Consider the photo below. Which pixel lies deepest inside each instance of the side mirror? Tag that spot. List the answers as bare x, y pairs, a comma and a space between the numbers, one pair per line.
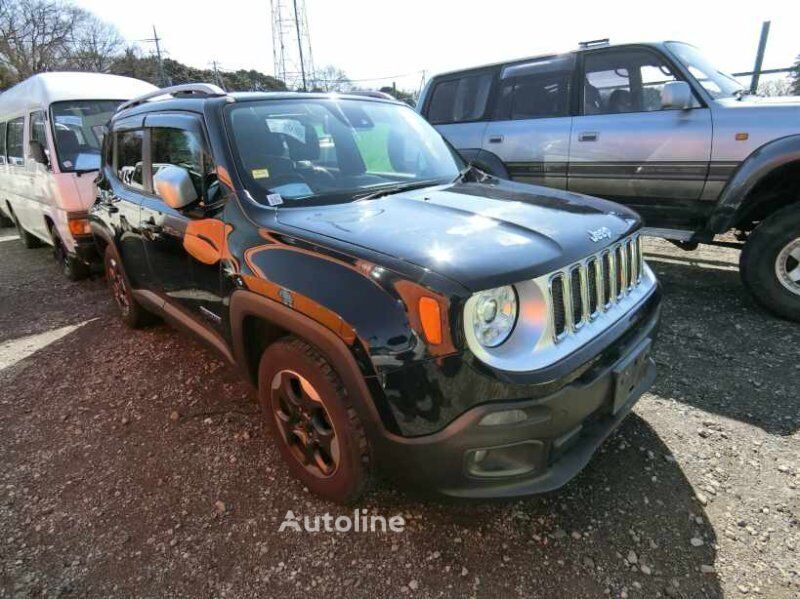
36, 151
676, 94
175, 186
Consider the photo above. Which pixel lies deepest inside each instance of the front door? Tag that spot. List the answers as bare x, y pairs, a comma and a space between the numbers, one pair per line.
530, 132
626, 148
184, 246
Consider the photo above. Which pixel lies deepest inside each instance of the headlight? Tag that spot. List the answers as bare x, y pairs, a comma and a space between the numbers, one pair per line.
493, 315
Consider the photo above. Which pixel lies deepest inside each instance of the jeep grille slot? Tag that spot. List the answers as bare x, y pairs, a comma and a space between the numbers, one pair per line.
582, 291
559, 309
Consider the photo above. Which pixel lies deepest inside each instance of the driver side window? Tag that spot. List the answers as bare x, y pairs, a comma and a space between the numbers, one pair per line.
181, 148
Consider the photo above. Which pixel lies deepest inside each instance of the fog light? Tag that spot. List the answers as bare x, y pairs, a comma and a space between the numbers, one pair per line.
509, 460
504, 417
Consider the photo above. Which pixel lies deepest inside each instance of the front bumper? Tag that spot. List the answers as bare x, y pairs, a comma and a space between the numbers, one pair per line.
553, 444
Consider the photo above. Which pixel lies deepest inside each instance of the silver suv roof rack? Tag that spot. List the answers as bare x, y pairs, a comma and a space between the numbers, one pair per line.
187, 89
594, 43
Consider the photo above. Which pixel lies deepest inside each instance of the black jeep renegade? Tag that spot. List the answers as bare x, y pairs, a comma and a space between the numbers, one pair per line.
396, 308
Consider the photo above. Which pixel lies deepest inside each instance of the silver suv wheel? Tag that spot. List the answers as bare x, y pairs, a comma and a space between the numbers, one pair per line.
787, 266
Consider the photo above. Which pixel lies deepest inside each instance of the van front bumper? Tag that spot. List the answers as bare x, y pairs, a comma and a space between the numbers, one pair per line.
529, 446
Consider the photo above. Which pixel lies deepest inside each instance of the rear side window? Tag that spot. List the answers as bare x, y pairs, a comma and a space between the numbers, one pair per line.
128, 162
2, 143
181, 148
538, 89
460, 100
14, 151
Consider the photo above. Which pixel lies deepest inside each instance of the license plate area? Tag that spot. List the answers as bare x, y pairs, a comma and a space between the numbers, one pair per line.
628, 373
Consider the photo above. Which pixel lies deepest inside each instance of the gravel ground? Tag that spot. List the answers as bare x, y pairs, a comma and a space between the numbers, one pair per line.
133, 463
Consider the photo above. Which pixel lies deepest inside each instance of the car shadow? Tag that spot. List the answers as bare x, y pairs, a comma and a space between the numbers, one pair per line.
629, 521
720, 352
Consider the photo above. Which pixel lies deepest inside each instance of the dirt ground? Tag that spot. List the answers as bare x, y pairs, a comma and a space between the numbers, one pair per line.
133, 463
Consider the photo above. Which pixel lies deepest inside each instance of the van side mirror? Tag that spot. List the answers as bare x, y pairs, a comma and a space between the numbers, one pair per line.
36, 151
676, 94
174, 185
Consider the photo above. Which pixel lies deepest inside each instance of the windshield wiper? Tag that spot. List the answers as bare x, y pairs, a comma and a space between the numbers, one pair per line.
392, 189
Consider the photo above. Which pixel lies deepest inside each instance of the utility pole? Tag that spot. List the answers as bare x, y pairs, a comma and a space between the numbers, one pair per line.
162, 77
762, 46
217, 77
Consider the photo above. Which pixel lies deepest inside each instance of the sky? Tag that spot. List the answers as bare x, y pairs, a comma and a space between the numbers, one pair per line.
379, 41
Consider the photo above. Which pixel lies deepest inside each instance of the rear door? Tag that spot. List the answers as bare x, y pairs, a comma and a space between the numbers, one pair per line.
458, 106
530, 132
625, 147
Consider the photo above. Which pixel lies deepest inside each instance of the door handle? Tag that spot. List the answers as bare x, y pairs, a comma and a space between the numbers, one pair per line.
589, 136
496, 139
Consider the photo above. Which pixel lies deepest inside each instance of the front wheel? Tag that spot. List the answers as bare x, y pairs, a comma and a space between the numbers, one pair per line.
131, 311
72, 267
318, 433
770, 263
28, 240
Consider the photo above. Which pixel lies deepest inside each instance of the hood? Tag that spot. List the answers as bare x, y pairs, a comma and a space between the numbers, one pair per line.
481, 235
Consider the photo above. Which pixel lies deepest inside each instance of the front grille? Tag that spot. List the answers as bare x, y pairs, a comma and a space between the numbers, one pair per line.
581, 292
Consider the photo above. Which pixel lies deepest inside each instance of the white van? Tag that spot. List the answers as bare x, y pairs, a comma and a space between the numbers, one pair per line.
51, 131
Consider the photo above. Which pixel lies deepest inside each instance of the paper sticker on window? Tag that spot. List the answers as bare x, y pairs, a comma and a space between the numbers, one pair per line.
260, 173
289, 127
274, 199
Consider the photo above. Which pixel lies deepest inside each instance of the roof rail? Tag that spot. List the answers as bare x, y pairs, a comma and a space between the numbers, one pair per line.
594, 43
187, 89
369, 93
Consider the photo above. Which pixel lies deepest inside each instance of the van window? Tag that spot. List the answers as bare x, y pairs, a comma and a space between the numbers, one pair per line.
2, 143
14, 141
181, 148
37, 132
128, 161
78, 132
459, 100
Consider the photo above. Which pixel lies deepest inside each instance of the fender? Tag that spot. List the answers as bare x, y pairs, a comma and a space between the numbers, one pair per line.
758, 165
247, 303
486, 161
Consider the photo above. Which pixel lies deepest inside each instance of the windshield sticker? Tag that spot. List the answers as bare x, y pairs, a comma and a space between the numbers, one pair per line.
274, 199
260, 173
288, 127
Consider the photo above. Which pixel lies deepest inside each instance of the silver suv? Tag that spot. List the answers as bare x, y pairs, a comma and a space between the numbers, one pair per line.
655, 126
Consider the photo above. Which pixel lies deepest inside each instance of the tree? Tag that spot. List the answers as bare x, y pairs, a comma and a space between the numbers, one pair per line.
332, 79
47, 35
399, 94
796, 77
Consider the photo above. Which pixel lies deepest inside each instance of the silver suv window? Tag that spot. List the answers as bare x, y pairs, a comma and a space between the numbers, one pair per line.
537, 89
459, 100
624, 81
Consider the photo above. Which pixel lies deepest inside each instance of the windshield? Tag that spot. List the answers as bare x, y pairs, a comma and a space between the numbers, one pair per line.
79, 127
330, 150
715, 82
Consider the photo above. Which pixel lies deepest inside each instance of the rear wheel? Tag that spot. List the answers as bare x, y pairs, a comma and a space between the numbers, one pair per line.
131, 311
73, 268
308, 410
770, 263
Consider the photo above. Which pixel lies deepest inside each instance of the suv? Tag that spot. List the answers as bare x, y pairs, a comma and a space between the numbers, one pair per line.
653, 126
394, 308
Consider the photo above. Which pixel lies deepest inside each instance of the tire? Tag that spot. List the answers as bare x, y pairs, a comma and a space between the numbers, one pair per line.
28, 240
5, 221
309, 415
768, 266
73, 268
131, 311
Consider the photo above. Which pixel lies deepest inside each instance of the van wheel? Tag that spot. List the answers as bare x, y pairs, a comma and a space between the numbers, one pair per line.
73, 268
5, 221
28, 240
319, 434
131, 311
770, 263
